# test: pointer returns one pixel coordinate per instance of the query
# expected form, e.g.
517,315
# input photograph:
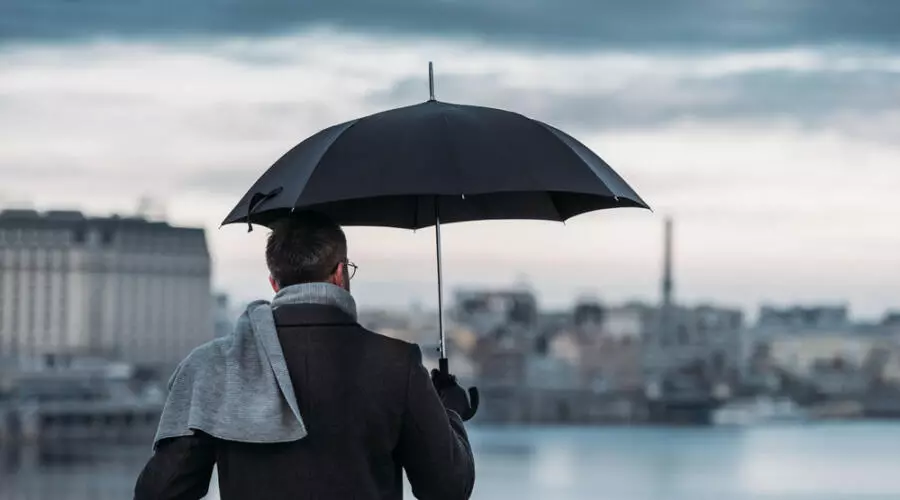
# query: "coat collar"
310,315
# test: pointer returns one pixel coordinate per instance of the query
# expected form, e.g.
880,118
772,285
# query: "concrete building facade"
121,288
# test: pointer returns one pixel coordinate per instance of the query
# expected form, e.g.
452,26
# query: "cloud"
564,24
775,183
205,119
864,101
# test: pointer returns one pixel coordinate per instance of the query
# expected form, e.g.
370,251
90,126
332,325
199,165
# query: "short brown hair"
305,247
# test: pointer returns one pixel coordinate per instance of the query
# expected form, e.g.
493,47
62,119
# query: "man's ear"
273,283
338,277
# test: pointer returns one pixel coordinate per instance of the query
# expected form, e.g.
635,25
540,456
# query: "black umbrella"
433,163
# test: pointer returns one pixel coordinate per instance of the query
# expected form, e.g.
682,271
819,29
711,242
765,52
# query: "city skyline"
770,142
521,281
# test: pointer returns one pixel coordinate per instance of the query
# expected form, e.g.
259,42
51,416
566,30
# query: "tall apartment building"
122,288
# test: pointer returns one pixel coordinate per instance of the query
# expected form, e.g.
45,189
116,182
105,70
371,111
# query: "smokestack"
667,266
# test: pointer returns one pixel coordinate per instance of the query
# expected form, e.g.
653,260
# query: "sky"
769,130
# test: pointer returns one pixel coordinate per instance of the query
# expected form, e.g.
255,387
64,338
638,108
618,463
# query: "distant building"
803,355
891,323
222,315
707,337
704,340
794,336
484,311
838,365
631,321
803,318
606,344
566,347
501,331
501,366
122,288
589,314
821,348
691,355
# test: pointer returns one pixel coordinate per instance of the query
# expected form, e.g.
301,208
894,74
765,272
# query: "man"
301,402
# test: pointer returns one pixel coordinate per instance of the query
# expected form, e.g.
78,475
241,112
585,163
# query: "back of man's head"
306,247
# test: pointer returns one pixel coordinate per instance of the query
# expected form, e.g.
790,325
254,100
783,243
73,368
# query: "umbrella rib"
346,126
552,196
614,184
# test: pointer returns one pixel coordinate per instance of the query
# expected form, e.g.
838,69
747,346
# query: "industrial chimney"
667,267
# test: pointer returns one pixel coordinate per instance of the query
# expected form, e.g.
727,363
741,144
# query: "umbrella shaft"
440,284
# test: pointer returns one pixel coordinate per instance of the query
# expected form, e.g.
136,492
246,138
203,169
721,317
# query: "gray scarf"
237,387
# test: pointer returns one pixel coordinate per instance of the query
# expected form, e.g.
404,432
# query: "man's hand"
454,396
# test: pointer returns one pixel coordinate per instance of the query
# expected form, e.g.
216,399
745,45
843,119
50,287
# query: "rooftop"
32,219
32,228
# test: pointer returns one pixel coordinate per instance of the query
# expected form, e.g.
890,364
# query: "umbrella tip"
430,81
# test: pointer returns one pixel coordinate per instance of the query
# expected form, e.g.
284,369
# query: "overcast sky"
770,131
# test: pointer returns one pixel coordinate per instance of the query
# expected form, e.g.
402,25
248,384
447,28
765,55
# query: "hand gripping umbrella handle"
474,396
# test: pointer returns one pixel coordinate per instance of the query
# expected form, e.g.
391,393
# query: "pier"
102,402
95,421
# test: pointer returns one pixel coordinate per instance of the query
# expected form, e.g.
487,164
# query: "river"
833,461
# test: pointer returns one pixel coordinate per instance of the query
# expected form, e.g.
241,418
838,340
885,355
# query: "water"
836,461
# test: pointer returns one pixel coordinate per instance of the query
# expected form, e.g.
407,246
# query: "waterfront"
822,461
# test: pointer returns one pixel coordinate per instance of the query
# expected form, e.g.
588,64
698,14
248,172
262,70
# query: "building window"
683,337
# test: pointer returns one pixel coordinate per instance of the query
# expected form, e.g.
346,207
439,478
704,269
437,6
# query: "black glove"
454,396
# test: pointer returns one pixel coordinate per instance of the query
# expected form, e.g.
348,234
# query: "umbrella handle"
474,399
474,396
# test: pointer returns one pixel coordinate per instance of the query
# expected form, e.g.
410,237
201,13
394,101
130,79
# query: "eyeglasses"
351,269
349,266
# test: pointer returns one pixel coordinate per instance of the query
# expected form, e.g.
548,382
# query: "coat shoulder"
394,348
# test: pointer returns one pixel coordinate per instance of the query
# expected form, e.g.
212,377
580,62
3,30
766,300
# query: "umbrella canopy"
406,167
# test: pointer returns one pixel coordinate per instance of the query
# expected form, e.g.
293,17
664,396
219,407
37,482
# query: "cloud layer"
778,164
569,24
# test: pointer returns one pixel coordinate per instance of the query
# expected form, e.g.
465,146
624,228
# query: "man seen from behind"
301,402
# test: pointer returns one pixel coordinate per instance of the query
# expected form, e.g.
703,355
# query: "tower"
667,266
